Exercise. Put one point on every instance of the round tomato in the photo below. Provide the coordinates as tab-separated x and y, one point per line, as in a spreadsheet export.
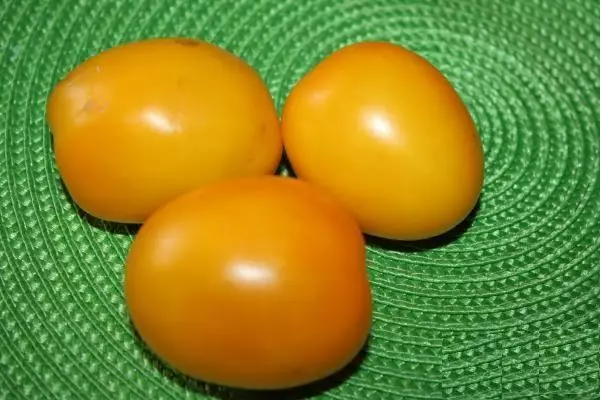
382	130
142	123
254	283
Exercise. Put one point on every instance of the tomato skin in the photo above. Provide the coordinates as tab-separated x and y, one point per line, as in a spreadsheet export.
141	123
382	130
255	283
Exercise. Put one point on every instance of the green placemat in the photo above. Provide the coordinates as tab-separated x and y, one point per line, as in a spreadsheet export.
508	308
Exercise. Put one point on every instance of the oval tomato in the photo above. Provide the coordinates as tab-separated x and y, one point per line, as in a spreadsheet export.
254	283
142	123
382	130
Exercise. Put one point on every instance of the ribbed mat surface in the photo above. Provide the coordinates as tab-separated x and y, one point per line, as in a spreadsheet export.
507	309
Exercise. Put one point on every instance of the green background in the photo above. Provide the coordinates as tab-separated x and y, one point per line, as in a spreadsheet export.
508	308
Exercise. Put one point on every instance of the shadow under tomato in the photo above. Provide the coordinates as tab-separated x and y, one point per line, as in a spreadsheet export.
285	167
226	393
417	246
110	227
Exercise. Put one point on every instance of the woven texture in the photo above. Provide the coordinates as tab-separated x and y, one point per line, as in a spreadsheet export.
505	307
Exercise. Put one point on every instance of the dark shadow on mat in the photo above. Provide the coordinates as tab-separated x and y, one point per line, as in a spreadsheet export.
427	244
225	393
285	167
111	227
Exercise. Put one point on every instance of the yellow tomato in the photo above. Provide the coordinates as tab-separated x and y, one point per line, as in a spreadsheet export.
382	130
254	283
142	123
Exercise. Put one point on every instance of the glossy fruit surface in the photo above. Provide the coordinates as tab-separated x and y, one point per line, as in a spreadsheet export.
252	283
381	129
139	124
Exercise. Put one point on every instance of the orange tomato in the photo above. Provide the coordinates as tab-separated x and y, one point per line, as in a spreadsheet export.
382	130
255	283
142	123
